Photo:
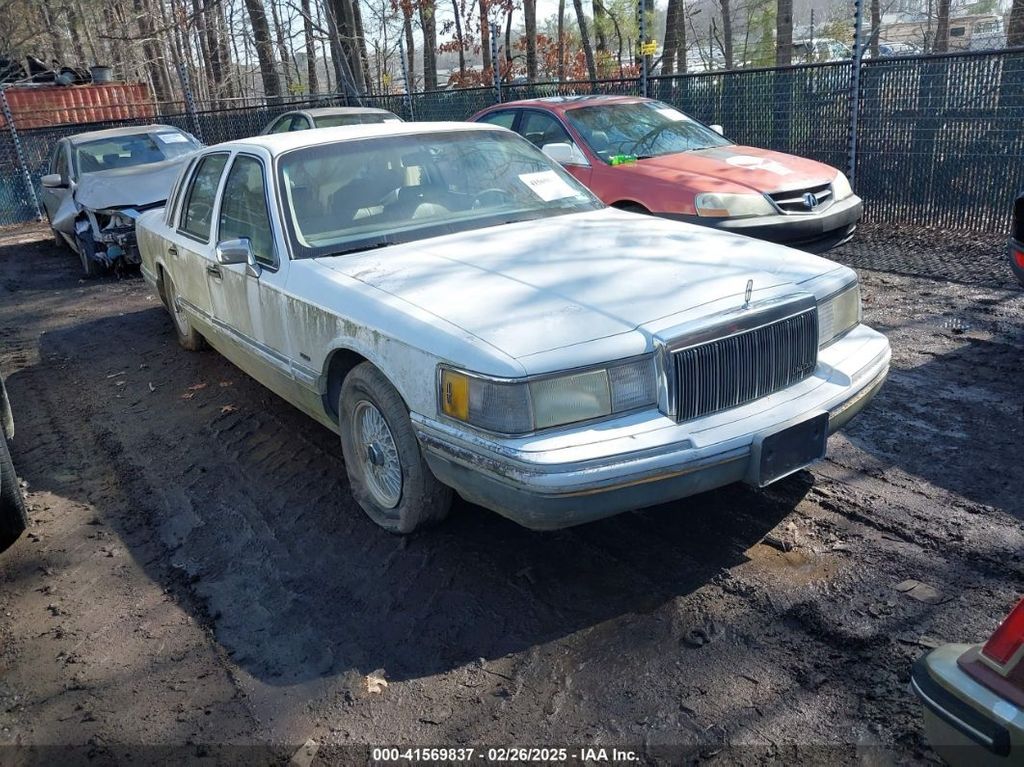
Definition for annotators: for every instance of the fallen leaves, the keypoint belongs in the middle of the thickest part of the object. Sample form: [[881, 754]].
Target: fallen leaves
[[228, 409], [375, 681]]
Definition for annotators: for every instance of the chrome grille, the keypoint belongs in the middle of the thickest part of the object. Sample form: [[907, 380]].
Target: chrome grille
[[741, 368], [792, 201]]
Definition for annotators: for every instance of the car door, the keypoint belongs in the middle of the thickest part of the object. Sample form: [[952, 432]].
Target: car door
[[52, 197], [542, 128], [190, 250], [235, 288]]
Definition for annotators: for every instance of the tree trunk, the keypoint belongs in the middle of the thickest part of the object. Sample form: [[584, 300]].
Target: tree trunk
[[876, 26], [508, 43], [668, 47], [410, 49], [264, 49], [784, 32], [459, 39], [942, 28], [1015, 33], [560, 45], [282, 45], [359, 34], [312, 79], [530, 13], [681, 38], [428, 23], [151, 50], [600, 27], [485, 36], [588, 52], [724, 5]]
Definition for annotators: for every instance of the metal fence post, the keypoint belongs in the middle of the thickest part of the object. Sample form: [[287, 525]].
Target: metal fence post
[[190, 103], [22, 164], [406, 78], [858, 60], [495, 63], [641, 22]]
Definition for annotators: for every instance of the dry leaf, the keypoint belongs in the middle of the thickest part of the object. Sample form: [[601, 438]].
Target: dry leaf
[[197, 387], [188, 395], [376, 682], [228, 409]]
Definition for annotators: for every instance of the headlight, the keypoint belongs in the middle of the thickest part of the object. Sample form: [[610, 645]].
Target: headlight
[[838, 313], [719, 205], [519, 407], [841, 188]]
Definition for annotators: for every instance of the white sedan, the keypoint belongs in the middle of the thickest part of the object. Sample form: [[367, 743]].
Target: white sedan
[[467, 316]]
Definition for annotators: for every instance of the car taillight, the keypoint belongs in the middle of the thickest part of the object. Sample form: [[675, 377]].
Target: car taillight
[[1018, 257], [1008, 638]]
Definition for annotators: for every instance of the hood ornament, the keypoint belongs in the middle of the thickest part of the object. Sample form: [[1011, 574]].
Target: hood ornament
[[749, 292]]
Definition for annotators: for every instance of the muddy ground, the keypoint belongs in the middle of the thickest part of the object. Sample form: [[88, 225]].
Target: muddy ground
[[196, 573]]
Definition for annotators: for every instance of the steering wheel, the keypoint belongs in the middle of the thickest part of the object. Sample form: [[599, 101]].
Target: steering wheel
[[498, 196], [647, 137]]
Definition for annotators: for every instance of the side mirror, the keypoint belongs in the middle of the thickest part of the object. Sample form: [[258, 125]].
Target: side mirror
[[565, 153], [717, 129], [53, 181], [238, 252]]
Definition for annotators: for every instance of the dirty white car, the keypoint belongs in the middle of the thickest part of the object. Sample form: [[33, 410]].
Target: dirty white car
[[100, 182], [467, 316]]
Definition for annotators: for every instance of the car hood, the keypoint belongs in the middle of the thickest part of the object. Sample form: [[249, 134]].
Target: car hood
[[760, 170], [135, 186], [532, 287]]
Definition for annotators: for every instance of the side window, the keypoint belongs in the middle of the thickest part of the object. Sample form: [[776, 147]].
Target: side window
[[201, 195], [282, 125], [59, 162], [504, 119], [243, 213], [171, 208], [299, 122], [540, 129]]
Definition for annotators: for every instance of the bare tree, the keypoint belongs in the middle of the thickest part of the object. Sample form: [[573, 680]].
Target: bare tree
[[725, 42], [485, 34], [530, 14], [784, 32], [264, 49], [560, 45], [1015, 32], [942, 28], [428, 23], [668, 47], [588, 52]]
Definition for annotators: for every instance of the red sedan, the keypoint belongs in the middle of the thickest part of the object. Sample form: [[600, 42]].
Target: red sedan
[[644, 155]]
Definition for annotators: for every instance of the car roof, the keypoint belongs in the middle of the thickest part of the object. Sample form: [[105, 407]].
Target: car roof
[[325, 111], [278, 143], [563, 103], [130, 130]]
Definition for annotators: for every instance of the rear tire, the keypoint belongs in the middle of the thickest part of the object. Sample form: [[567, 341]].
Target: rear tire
[[386, 471], [13, 515], [189, 338]]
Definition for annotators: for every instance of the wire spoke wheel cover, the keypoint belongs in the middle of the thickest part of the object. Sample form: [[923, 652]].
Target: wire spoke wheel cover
[[377, 455]]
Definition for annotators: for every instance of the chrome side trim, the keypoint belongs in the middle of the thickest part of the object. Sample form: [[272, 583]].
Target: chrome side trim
[[945, 714]]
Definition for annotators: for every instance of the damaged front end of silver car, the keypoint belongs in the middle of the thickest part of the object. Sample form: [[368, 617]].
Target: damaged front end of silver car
[[108, 236]]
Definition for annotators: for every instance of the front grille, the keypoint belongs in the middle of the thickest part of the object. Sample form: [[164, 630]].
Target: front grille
[[733, 371], [795, 200]]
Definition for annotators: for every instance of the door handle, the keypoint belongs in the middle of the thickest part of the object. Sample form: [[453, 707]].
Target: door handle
[[214, 270], [172, 251]]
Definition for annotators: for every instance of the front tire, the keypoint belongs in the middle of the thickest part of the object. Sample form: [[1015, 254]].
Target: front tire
[[386, 471], [13, 516], [189, 338]]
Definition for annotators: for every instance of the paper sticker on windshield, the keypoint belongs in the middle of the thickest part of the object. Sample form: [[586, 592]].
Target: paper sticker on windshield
[[672, 114], [547, 185], [172, 138], [751, 162]]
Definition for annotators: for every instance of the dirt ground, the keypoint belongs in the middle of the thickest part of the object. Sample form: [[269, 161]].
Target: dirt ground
[[196, 576]]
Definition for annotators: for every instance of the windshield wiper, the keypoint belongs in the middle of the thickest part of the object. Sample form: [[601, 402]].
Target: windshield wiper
[[373, 245]]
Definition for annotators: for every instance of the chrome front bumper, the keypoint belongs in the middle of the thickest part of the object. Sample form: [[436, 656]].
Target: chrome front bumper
[[579, 474]]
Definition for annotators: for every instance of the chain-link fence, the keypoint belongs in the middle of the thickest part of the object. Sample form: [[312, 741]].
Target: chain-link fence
[[939, 138]]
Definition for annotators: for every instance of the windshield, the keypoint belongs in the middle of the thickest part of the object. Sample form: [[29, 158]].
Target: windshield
[[643, 129], [358, 194], [136, 149], [367, 118]]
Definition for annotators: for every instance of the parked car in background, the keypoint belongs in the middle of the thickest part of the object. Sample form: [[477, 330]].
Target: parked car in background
[[99, 182], [973, 697], [467, 315], [820, 49], [645, 156], [329, 117], [13, 517], [1017, 239]]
